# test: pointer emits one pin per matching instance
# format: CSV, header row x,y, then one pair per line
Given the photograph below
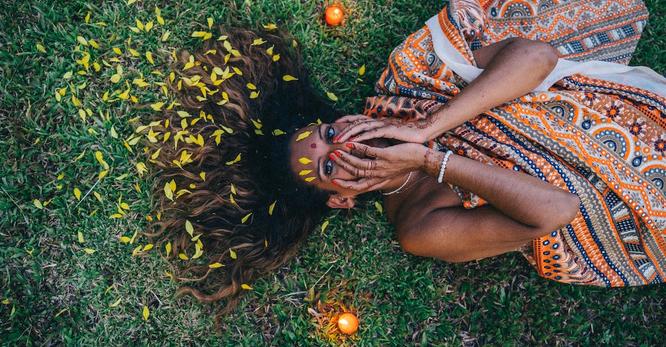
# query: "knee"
x,y
409,241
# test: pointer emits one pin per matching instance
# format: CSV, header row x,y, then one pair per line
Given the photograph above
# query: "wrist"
x,y
431,161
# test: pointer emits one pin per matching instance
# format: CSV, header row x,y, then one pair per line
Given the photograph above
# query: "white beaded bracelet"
x,y
440,177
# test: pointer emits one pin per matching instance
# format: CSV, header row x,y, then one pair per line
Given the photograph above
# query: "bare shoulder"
x,y
419,199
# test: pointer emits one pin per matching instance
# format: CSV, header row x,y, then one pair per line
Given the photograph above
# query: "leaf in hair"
x,y
288,78
324,226
304,160
278,132
246,286
247,216
167,248
215,265
254,95
183,256
232,254
271,208
145,313
257,42
304,172
189,228
310,179
332,96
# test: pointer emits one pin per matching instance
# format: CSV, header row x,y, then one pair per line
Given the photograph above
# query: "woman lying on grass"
x,y
483,140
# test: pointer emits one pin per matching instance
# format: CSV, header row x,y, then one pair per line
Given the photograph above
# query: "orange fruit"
x,y
347,323
334,15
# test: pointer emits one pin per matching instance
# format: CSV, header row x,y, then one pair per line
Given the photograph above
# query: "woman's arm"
x,y
521,207
512,68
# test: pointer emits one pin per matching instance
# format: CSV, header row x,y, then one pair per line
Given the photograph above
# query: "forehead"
x,y
305,148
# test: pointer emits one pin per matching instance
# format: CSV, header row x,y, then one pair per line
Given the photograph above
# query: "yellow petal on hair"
x,y
231,198
145,313
233,189
276,57
147,247
257,42
200,34
189,228
310,179
254,95
246,217
270,26
304,172
115,78
157,106
288,78
168,192
183,256
232,254
257,124
324,226
215,265
237,71
141,168
251,86
332,96
269,50
246,286
304,135
379,207
278,132
236,160
361,70
210,51
202,174
271,208
149,57
155,154
167,248
304,160
210,22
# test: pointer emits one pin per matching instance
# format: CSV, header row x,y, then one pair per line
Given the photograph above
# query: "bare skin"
x,y
428,216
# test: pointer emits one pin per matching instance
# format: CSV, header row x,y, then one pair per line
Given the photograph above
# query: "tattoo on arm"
x,y
432,160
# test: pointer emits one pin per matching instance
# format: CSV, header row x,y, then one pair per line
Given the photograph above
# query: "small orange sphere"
x,y
347,323
334,15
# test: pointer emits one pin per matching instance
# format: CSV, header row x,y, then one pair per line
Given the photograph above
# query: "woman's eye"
x,y
330,132
328,167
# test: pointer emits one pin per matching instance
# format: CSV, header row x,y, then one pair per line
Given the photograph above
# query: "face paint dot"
x,y
313,145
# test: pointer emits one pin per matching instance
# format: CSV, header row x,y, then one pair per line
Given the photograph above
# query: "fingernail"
x,y
331,156
335,183
338,153
349,145
336,138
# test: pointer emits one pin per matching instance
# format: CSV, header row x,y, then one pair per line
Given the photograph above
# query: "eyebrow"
x,y
319,160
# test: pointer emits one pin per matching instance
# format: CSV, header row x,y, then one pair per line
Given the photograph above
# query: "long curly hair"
x,y
231,208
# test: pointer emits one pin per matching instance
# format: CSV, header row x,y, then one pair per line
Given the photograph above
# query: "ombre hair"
x,y
283,209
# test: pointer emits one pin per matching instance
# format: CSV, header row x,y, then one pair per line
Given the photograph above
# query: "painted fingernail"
x,y
335,183
338,153
349,145
331,156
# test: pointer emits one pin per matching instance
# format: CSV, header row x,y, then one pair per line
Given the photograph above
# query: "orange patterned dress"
x,y
601,140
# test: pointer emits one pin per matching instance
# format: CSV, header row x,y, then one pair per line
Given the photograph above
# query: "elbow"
x,y
540,54
410,242
563,212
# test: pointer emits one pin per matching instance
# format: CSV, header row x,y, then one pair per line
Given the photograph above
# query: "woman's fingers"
x,y
352,118
363,184
355,166
357,128
363,150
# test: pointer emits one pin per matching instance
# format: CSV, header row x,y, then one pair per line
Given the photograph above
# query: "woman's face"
x,y
311,151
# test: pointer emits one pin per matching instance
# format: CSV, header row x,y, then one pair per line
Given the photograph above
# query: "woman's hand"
x,y
363,128
376,165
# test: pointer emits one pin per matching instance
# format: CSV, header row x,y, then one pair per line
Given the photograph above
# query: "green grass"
x,y
54,292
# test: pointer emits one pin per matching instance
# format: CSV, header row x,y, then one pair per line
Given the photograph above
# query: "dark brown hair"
x,y
247,126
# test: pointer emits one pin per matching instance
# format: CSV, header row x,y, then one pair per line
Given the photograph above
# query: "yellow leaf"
x,y
215,265
115,78
251,86
247,216
236,160
38,204
324,226
125,239
210,22
165,35
147,247
77,193
82,40
183,256
278,132
254,95
304,172
79,236
304,160
87,18
129,2
168,192
141,168
189,228
146,312
288,78
100,158
232,254
246,286
379,207
271,208
332,96
149,57
233,189
361,70
257,42
303,136
157,106
115,303
270,26
89,250
40,48
148,26
202,174
310,179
